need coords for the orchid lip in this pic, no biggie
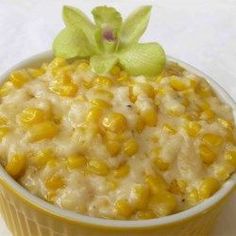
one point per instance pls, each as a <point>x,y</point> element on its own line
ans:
<point>108,35</point>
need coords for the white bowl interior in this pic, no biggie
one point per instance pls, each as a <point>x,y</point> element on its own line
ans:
<point>225,189</point>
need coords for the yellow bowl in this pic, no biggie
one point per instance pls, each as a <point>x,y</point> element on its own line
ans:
<point>27,215</point>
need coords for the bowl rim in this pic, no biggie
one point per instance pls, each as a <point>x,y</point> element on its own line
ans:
<point>54,210</point>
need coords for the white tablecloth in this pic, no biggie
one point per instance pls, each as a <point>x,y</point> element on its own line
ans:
<point>200,32</point>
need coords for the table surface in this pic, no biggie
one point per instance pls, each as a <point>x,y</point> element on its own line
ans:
<point>199,32</point>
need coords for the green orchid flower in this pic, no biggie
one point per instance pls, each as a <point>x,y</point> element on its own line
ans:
<point>110,40</point>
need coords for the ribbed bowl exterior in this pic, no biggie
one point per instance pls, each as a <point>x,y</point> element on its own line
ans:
<point>23,219</point>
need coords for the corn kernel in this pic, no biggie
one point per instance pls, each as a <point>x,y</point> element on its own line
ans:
<point>191,116</point>
<point>185,101</point>
<point>94,114</point>
<point>43,157</point>
<point>115,71</point>
<point>19,78</point>
<point>225,123</point>
<point>115,122</point>
<point>44,130</point>
<point>3,121</point>
<point>230,137</point>
<point>124,73</point>
<point>98,167</point>
<point>155,152</point>
<point>208,187</point>
<point>224,171</point>
<point>212,139</point>
<point>122,171</point>
<point>203,91</point>
<point>123,208</point>
<point>178,186</point>
<point>78,61</point>
<point>145,215</point>
<point>192,197</point>
<point>54,182</point>
<point>154,138</point>
<point>178,84</point>
<point>175,110</point>
<point>53,163</point>
<point>132,97</point>
<point>83,66</point>
<point>169,129</point>
<point>160,164</point>
<point>159,78</point>
<point>66,71</point>
<point>57,62</point>
<point>204,106</point>
<point>76,161</point>
<point>87,84</point>
<point>139,196</point>
<point>193,128</point>
<point>63,79</point>
<point>6,88</point>
<point>187,92</point>
<point>140,125</point>
<point>3,132</point>
<point>36,72</point>
<point>44,66</point>
<point>113,147</point>
<point>173,68</point>
<point>231,157</point>
<point>112,185</point>
<point>31,115</point>
<point>147,89</point>
<point>103,81</point>
<point>104,94</point>
<point>109,135</point>
<point>16,166</point>
<point>130,147</point>
<point>162,91</point>
<point>65,90</point>
<point>124,79</point>
<point>193,83</point>
<point>51,196</point>
<point>100,103</point>
<point>206,154</point>
<point>150,117</point>
<point>182,185</point>
<point>156,183</point>
<point>208,115</point>
<point>163,203</point>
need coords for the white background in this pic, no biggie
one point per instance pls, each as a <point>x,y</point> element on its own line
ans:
<point>200,32</point>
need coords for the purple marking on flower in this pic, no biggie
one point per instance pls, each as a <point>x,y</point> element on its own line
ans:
<point>108,35</point>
